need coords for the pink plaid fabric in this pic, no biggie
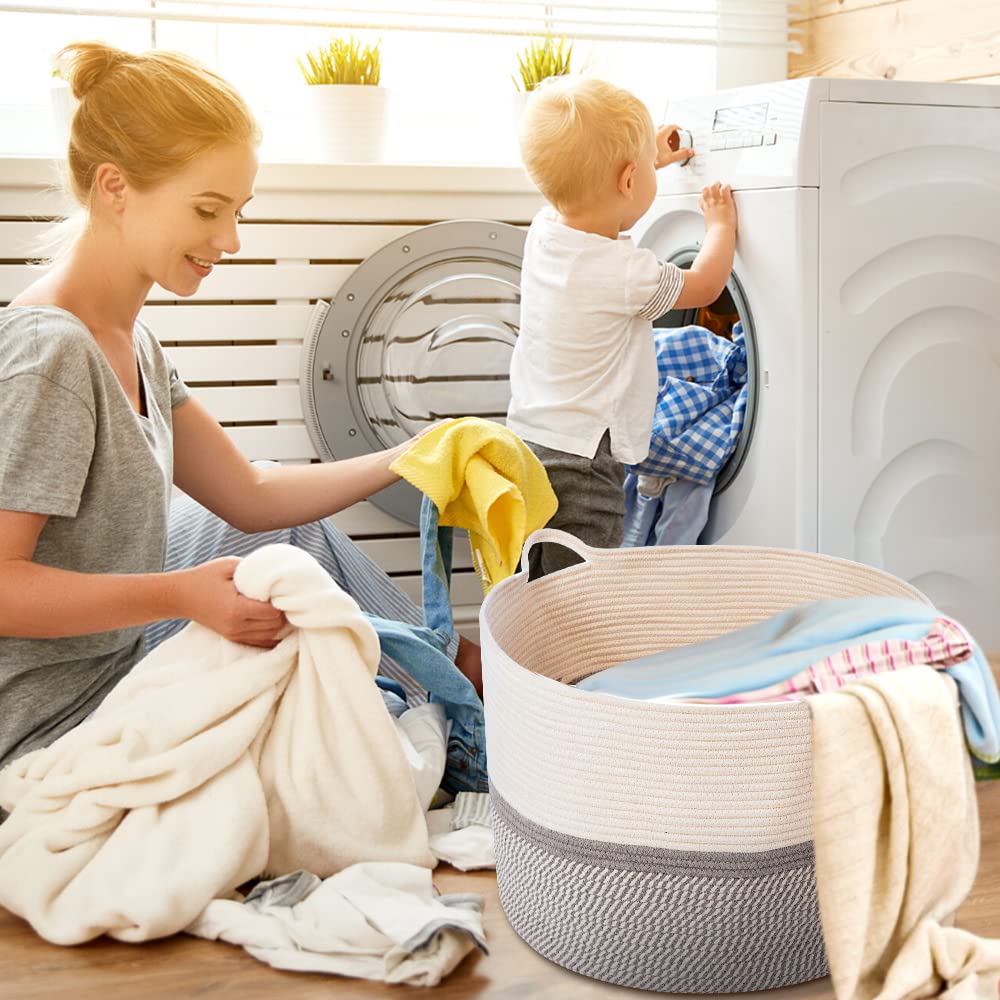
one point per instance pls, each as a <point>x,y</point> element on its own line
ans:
<point>945,644</point>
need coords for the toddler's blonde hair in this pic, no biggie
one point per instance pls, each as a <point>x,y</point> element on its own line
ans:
<point>578,133</point>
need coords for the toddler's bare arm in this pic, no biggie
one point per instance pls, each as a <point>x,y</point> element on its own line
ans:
<point>710,270</point>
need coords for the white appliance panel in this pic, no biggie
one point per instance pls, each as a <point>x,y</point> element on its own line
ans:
<point>752,137</point>
<point>773,499</point>
<point>909,362</point>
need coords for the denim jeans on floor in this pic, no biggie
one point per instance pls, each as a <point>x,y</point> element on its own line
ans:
<point>431,668</point>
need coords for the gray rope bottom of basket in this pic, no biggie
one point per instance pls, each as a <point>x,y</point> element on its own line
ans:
<point>657,919</point>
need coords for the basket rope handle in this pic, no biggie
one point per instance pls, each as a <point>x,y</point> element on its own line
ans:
<point>564,538</point>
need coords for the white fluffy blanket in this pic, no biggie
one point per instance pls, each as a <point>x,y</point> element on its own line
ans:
<point>209,764</point>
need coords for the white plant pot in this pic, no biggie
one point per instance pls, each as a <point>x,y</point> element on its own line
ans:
<point>346,122</point>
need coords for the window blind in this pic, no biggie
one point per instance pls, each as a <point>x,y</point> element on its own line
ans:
<point>722,23</point>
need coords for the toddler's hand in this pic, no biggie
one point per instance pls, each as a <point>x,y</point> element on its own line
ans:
<point>717,206</point>
<point>666,147</point>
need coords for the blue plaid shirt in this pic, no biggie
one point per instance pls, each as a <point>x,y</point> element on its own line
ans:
<point>701,403</point>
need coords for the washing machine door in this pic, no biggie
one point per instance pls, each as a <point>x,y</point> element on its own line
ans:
<point>422,331</point>
<point>676,236</point>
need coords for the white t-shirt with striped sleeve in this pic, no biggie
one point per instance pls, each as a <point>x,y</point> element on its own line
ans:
<point>584,360</point>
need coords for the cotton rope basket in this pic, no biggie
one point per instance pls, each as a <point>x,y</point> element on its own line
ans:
<point>659,846</point>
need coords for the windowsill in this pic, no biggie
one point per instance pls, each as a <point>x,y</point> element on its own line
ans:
<point>43,171</point>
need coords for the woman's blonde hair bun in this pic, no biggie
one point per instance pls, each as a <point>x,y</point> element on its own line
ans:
<point>83,65</point>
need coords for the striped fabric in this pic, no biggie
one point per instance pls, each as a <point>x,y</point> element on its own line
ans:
<point>670,285</point>
<point>701,403</point>
<point>945,644</point>
<point>471,809</point>
<point>195,535</point>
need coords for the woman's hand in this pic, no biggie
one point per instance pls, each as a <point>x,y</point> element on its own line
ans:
<point>209,597</point>
<point>401,449</point>
<point>430,427</point>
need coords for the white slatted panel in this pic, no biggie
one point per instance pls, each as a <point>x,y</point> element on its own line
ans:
<point>400,555</point>
<point>465,587</point>
<point>331,193</point>
<point>288,444</point>
<point>335,241</point>
<point>309,228</point>
<point>239,363</point>
<point>392,206</point>
<point>245,403</point>
<point>253,282</point>
<point>177,323</point>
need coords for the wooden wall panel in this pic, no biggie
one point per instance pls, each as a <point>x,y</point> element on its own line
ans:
<point>900,40</point>
<point>824,8</point>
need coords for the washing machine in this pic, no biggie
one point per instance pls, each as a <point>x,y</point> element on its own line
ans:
<point>867,277</point>
<point>423,330</point>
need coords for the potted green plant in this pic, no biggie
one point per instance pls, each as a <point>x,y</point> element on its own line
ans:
<point>540,59</point>
<point>348,106</point>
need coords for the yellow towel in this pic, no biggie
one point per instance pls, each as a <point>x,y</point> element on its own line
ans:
<point>484,478</point>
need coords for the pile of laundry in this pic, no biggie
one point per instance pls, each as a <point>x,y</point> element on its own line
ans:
<point>214,762</point>
<point>700,411</point>
<point>816,648</point>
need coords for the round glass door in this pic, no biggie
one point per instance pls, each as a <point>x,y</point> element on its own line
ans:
<point>422,331</point>
<point>720,317</point>
<point>438,346</point>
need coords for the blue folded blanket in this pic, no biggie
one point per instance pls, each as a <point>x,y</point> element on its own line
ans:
<point>779,647</point>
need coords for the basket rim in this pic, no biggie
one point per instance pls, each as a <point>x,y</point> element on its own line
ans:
<point>603,558</point>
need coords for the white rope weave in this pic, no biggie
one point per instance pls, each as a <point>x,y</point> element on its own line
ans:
<point>675,776</point>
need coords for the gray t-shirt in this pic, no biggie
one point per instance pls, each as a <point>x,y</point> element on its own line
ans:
<point>72,447</point>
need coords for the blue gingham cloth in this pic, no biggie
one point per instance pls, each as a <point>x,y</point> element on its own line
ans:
<point>701,403</point>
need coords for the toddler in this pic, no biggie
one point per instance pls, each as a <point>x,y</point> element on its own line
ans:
<point>583,374</point>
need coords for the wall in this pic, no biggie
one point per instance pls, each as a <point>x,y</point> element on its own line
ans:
<point>900,39</point>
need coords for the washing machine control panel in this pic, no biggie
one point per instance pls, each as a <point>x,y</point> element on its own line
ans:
<point>742,140</point>
<point>751,137</point>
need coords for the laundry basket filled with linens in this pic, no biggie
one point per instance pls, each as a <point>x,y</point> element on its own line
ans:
<point>663,846</point>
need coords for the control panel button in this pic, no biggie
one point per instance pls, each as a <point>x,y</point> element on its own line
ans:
<point>718,144</point>
<point>755,140</point>
<point>770,138</point>
<point>680,138</point>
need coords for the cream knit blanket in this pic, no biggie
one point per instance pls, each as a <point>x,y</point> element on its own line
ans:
<point>897,840</point>
<point>210,763</point>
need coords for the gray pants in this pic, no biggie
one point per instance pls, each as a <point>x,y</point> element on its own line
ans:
<point>591,503</point>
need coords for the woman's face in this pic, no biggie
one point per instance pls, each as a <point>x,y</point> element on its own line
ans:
<point>177,231</point>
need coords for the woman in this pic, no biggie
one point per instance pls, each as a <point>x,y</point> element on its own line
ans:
<point>95,423</point>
